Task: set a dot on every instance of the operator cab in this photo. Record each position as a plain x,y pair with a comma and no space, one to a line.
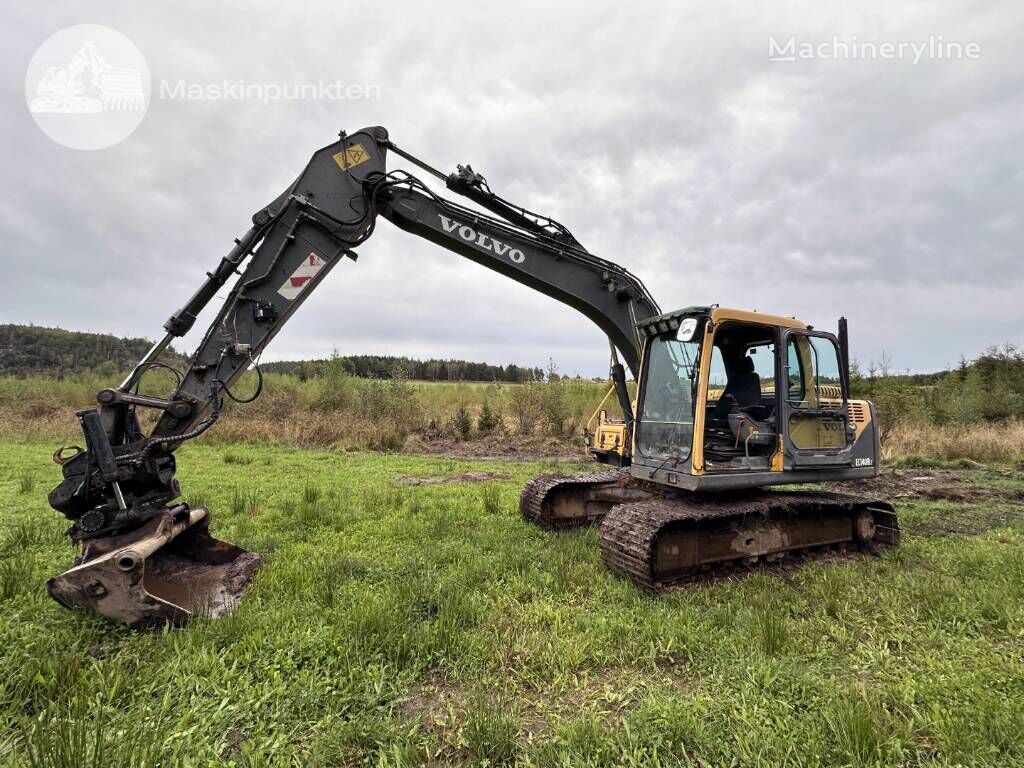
740,410
710,402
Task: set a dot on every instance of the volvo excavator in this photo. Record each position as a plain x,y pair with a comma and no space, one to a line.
728,404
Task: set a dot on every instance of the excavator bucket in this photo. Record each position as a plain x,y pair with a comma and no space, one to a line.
165,572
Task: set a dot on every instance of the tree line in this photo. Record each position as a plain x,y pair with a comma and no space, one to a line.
29,349
390,367
33,350
989,388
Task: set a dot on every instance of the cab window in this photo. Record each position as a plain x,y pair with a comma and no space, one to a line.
796,371
814,371
665,427
763,356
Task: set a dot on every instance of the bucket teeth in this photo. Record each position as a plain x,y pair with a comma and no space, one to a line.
165,572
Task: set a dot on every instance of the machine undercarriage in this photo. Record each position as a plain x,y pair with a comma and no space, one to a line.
660,537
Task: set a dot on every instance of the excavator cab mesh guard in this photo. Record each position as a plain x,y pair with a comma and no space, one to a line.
166,572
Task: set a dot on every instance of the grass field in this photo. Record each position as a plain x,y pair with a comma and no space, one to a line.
403,621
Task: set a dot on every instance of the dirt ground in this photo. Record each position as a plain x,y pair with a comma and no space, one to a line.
465,477
969,504
505,447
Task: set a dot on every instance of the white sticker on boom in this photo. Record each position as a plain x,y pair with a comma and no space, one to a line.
307,270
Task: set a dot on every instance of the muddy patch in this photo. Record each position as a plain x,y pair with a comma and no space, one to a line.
233,740
431,701
465,477
963,505
490,447
946,494
957,486
896,484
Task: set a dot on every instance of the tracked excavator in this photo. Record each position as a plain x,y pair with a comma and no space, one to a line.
728,404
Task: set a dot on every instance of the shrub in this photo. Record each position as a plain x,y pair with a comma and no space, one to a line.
461,423
526,406
337,390
555,408
393,399
488,420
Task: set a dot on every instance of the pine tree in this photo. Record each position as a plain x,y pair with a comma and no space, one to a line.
488,420
462,423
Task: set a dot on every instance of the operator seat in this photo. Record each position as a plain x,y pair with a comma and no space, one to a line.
748,419
743,390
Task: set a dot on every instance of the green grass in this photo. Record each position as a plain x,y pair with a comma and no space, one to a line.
407,625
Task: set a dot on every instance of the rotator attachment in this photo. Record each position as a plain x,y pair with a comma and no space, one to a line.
165,572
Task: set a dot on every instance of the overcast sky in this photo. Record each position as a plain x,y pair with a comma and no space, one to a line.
663,136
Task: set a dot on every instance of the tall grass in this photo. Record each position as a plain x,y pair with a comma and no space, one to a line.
83,736
981,442
26,482
245,502
335,410
491,732
771,630
859,731
345,413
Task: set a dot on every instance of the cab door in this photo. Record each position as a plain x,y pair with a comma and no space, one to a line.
815,418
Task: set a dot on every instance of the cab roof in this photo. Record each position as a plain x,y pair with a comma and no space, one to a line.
669,321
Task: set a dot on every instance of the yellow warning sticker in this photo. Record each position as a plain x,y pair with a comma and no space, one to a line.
351,157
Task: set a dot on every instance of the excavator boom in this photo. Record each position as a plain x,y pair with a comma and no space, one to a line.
119,493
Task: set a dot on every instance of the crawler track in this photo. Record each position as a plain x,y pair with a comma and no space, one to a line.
664,541
537,503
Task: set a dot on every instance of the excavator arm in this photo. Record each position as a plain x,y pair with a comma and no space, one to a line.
119,490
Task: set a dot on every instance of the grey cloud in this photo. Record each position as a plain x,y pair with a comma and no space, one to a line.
661,135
